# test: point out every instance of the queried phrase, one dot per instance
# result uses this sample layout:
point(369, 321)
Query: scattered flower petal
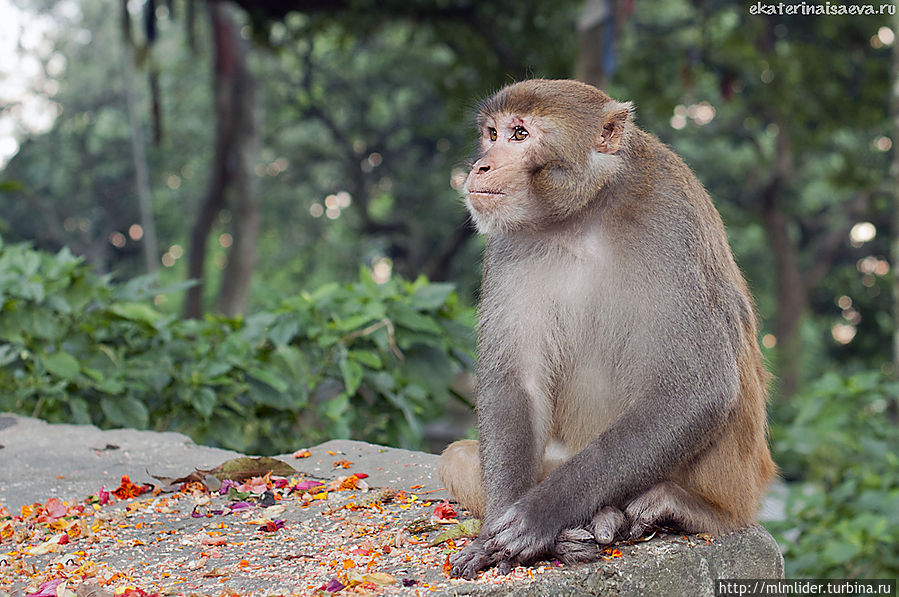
point(444, 510)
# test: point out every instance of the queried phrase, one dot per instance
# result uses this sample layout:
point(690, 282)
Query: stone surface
point(39, 460)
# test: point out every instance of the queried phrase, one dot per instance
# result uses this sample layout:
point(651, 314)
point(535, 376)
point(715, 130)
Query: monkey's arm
point(509, 451)
point(674, 416)
point(509, 448)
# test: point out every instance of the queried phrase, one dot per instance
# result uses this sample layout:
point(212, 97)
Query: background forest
point(238, 219)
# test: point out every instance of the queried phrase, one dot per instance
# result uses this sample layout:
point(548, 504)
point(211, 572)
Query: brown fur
point(620, 384)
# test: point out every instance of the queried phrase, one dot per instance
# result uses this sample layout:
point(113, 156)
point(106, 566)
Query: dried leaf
point(127, 489)
point(354, 577)
point(379, 496)
point(91, 590)
point(468, 528)
point(54, 509)
point(379, 578)
point(215, 573)
point(444, 510)
point(171, 484)
point(421, 525)
point(245, 467)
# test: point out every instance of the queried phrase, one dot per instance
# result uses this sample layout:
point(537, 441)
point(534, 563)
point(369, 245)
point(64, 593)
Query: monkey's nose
point(483, 169)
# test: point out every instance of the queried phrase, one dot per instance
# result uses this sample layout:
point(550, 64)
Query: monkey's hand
point(522, 533)
point(474, 558)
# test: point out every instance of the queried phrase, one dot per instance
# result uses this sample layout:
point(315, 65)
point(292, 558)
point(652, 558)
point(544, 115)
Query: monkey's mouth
point(484, 199)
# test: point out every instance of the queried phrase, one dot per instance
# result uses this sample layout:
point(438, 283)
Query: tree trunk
point(894, 175)
point(438, 268)
point(236, 139)
point(235, 289)
point(138, 153)
point(791, 299)
point(791, 287)
point(596, 28)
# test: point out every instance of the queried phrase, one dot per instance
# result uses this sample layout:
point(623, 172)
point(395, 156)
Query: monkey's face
point(546, 150)
point(498, 190)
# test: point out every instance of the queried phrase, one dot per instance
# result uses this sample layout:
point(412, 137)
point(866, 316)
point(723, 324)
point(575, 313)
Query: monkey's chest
point(565, 334)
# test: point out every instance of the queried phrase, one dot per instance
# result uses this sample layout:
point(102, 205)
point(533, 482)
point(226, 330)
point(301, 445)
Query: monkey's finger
point(467, 563)
point(504, 567)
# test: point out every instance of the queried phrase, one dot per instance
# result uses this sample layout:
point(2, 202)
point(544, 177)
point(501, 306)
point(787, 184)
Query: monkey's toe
point(574, 546)
point(609, 523)
point(504, 567)
point(468, 562)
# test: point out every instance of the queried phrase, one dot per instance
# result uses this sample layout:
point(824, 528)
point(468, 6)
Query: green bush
point(838, 444)
point(361, 360)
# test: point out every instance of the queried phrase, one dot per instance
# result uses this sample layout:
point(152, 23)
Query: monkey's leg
point(669, 502)
point(459, 469)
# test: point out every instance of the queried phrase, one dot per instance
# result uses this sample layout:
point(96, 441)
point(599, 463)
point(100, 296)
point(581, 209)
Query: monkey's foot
point(522, 533)
point(608, 524)
point(668, 502)
point(576, 546)
point(474, 558)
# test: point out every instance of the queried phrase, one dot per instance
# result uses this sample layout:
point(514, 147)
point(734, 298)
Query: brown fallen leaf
point(215, 573)
point(468, 528)
point(245, 467)
point(379, 578)
point(172, 484)
point(236, 469)
point(91, 590)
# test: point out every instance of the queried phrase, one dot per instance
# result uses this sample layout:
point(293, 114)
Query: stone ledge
point(39, 460)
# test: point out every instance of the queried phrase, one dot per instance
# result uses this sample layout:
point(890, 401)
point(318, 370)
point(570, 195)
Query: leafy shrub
point(838, 442)
point(360, 360)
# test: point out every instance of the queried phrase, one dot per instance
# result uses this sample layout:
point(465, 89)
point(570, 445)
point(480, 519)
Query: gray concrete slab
point(192, 544)
point(39, 460)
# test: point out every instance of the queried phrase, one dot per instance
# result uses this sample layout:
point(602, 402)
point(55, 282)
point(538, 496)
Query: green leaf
point(337, 406)
point(80, 413)
point(110, 386)
point(352, 374)
point(29, 289)
point(9, 186)
point(368, 358)
point(432, 296)
point(41, 323)
point(411, 319)
point(283, 331)
point(268, 378)
point(467, 528)
point(139, 312)
point(8, 354)
point(62, 365)
point(125, 411)
point(205, 402)
point(351, 323)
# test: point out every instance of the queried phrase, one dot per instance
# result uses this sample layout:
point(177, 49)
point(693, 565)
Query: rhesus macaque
point(620, 383)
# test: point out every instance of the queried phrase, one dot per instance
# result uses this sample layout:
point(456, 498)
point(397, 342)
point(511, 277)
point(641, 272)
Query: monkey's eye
point(519, 133)
point(492, 133)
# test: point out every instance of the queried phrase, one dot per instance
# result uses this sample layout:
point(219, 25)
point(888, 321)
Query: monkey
point(620, 385)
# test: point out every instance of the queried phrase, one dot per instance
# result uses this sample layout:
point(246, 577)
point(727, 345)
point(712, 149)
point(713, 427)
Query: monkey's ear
point(614, 117)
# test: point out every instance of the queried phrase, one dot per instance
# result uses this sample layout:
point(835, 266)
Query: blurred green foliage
point(839, 444)
point(358, 360)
